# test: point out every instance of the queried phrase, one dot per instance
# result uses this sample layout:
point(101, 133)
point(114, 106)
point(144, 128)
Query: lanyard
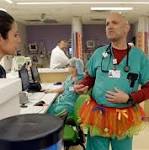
point(109, 51)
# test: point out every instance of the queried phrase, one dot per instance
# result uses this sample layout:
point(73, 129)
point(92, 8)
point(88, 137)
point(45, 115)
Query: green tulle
point(134, 130)
point(130, 133)
point(79, 102)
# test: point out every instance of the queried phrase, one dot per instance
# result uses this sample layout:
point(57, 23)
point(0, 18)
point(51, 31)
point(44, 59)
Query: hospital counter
point(52, 75)
point(31, 108)
point(36, 97)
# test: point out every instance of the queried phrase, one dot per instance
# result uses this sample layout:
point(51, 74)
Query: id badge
point(114, 74)
point(71, 88)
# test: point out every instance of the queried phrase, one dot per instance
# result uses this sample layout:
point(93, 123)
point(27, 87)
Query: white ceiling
point(63, 13)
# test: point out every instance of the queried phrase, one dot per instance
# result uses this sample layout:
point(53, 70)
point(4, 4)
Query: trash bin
point(31, 132)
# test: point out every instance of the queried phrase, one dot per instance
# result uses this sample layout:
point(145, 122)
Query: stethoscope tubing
point(110, 51)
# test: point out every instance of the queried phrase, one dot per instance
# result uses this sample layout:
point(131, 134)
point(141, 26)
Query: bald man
point(117, 29)
point(115, 71)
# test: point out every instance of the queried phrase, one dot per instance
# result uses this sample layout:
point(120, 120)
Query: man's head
point(63, 44)
point(117, 27)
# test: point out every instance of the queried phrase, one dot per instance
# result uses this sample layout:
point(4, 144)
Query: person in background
point(115, 71)
point(9, 37)
point(67, 97)
point(58, 56)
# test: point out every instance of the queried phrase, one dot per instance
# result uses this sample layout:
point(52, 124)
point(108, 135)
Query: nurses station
point(61, 43)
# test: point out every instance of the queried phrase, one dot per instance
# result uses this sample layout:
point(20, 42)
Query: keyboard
point(35, 96)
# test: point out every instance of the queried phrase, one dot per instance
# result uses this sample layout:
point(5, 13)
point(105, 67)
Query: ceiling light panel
point(111, 8)
point(9, 1)
point(77, 2)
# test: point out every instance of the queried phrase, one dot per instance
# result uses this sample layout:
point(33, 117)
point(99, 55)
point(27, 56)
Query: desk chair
point(73, 134)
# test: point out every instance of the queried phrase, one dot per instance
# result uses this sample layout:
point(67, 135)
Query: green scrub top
point(66, 100)
point(139, 64)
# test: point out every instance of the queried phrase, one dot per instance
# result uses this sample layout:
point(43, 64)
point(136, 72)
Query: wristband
point(130, 100)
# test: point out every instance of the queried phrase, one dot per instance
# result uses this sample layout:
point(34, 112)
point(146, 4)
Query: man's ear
point(128, 27)
point(1, 38)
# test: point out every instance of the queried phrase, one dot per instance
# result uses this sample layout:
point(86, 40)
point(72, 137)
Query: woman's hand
point(80, 88)
point(50, 91)
point(55, 90)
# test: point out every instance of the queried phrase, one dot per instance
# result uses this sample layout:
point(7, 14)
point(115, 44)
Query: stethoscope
point(108, 52)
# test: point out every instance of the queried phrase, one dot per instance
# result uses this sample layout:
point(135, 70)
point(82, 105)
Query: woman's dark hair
point(6, 22)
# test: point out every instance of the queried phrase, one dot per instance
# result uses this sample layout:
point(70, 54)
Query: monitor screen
point(70, 51)
point(33, 48)
point(35, 73)
point(23, 74)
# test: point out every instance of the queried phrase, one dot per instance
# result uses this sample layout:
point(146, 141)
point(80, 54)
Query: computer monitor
point(23, 74)
point(33, 48)
point(35, 73)
point(70, 52)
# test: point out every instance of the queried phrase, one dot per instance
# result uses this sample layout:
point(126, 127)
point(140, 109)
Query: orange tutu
point(111, 122)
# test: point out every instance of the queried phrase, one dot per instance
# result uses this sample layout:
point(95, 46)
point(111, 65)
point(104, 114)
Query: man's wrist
point(130, 100)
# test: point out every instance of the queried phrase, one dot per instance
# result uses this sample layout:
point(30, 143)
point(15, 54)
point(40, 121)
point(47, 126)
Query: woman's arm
point(59, 90)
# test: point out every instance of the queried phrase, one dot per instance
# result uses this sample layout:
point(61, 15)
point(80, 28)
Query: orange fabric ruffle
point(111, 122)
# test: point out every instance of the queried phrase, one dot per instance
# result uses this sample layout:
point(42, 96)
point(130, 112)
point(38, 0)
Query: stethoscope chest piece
point(126, 68)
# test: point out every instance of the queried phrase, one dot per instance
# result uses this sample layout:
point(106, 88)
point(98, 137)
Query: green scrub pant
point(103, 143)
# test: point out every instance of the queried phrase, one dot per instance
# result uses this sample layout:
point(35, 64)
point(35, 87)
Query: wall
point(22, 31)
point(97, 33)
point(49, 34)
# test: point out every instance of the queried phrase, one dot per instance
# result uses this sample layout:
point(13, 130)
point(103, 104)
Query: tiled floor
point(140, 142)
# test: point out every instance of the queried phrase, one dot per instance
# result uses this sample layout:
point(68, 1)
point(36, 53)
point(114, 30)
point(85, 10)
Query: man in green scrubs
point(115, 71)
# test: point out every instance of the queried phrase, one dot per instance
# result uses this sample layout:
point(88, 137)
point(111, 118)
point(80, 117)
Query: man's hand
point(117, 96)
point(80, 88)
